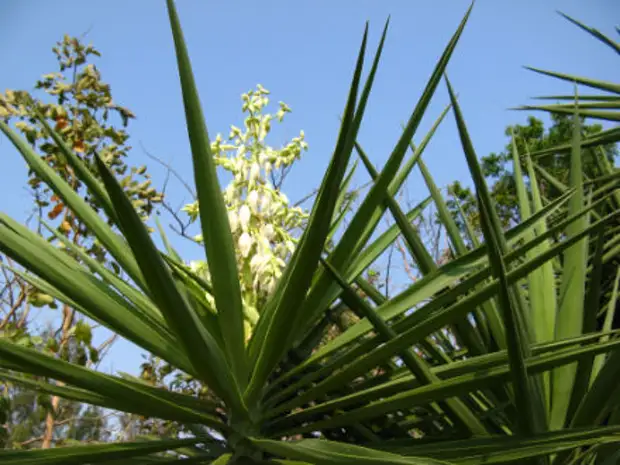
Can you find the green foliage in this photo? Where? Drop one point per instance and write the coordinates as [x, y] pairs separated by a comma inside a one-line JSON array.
[[450, 370]]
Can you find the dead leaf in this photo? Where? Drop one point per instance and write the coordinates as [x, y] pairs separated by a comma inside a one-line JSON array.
[[78, 146], [57, 210], [61, 123]]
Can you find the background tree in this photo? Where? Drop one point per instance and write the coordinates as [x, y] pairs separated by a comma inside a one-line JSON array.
[[531, 137], [78, 104]]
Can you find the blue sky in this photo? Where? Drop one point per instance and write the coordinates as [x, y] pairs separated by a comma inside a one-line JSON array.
[[304, 53]]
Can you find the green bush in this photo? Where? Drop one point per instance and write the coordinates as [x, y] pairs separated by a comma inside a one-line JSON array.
[[520, 377]]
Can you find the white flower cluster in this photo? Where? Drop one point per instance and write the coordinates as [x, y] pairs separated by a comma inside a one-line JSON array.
[[261, 219]]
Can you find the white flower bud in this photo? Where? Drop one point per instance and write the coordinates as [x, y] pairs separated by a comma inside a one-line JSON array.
[[280, 250], [290, 246], [253, 200], [265, 202], [233, 220], [280, 263], [262, 158], [258, 262], [196, 265], [268, 231], [245, 244], [254, 172], [244, 216], [229, 193]]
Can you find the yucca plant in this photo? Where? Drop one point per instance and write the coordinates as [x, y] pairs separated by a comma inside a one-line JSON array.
[[486, 359]]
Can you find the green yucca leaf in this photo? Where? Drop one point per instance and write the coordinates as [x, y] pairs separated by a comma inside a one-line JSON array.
[[517, 350], [609, 103], [133, 329], [446, 372], [594, 32], [360, 263], [567, 110], [596, 84], [366, 257], [222, 460], [469, 228], [171, 252], [372, 208], [352, 137], [216, 233], [611, 99], [141, 302], [602, 397], [343, 203], [601, 179], [542, 288], [550, 178], [447, 220], [532, 417], [569, 319], [200, 347], [516, 320], [196, 289], [418, 367], [86, 291], [591, 306], [133, 397], [465, 331], [463, 451], [525, 210], [286, 303], [183, 270], [195, 295], [607, 324], [544, 296], [427, 319], [422, 395], [475, 170], [365, 347], [264, 325], [608, 136], [344, 188], [102, 231], [319, 451], [335, 226], [93, 453], [412, 239], [88, 397], [539, 313], [66, 392], [417, 152], [433, 283]]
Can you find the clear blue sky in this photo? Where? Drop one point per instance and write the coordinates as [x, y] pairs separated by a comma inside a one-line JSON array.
[[304, 52]]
